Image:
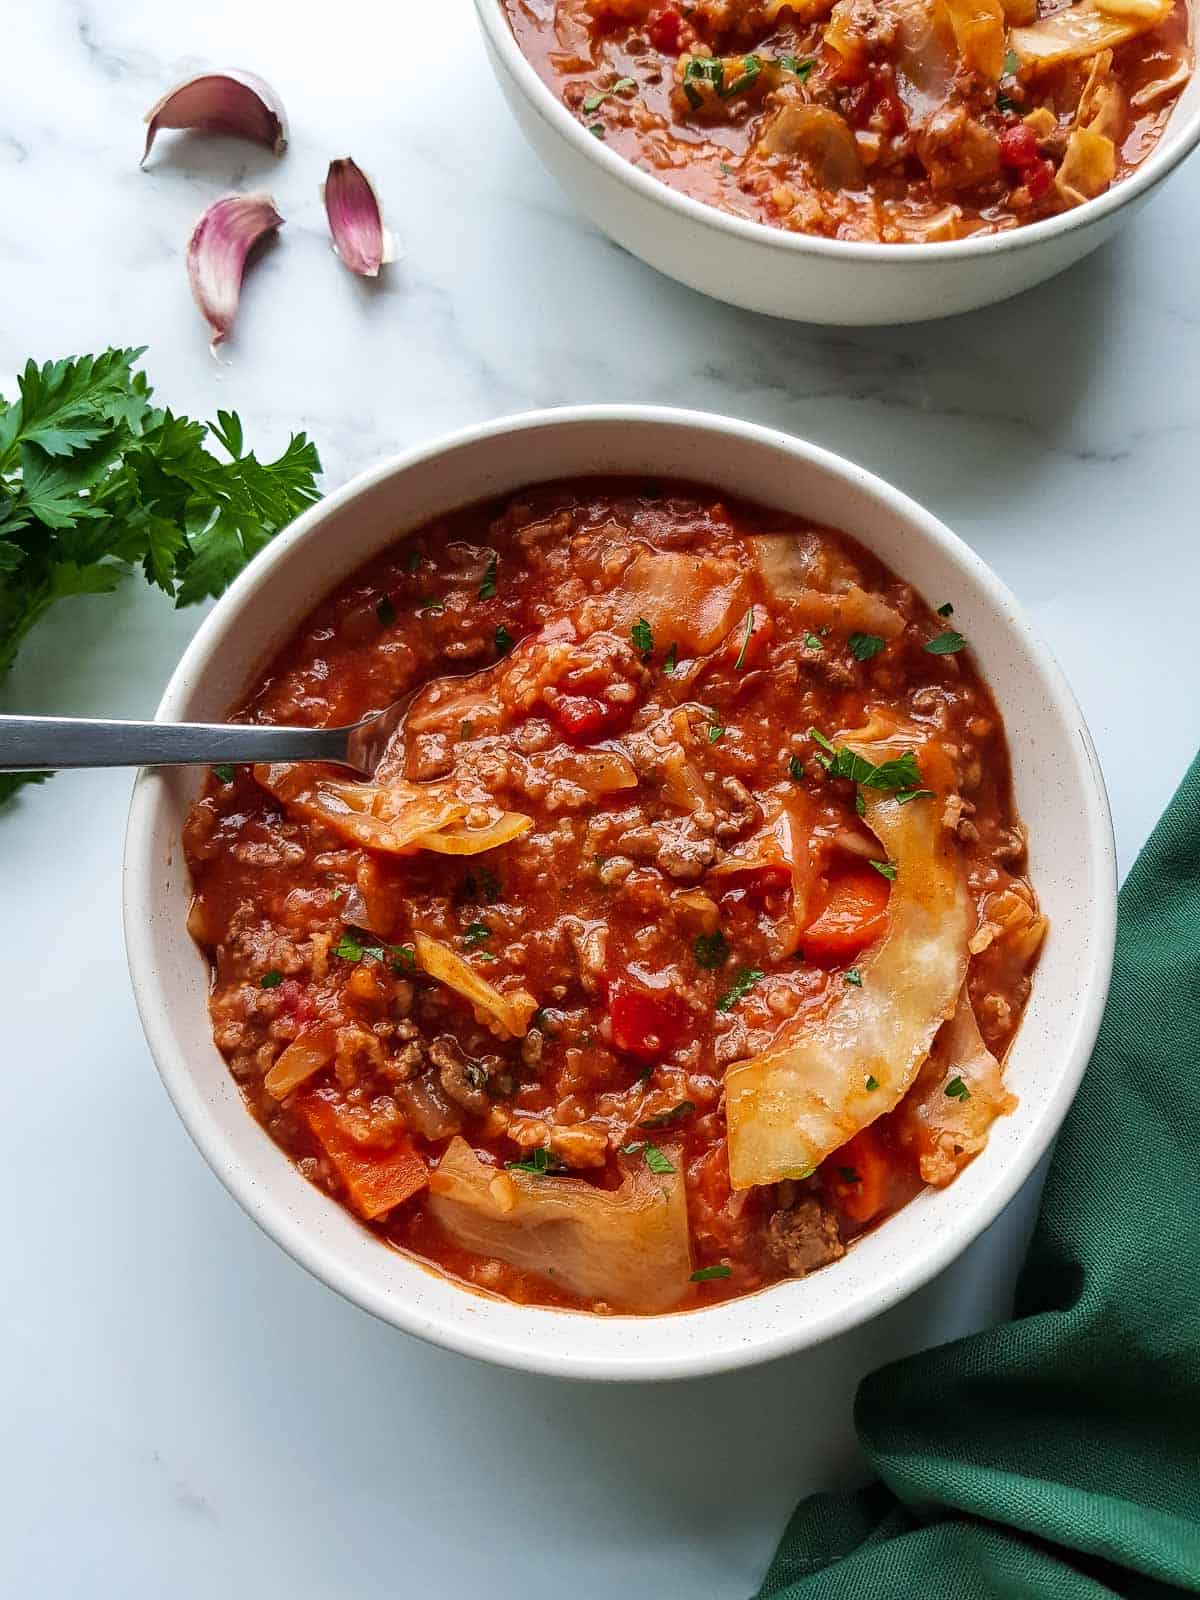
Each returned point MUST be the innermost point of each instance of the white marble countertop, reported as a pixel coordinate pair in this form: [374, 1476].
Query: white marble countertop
[183, 1408]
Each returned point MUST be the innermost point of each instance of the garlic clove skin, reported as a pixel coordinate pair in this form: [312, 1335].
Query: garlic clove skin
[235, 102]
[359, 237]
[216, 259]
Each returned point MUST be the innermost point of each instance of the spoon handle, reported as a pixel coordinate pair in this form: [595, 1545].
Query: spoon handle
[27, 743]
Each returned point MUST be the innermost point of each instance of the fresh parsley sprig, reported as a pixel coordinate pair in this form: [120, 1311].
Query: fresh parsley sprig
[95, 480]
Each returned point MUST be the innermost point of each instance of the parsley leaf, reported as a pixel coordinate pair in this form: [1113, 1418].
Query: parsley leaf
[503, 640]
[595, 101]
[885, 870]
[796, 768]
[386, 612]
[946, 610]
[794, 65]
[711, 950]
[956, 1089]
[270, 980]
[744, 980]
[706, 1274]
[715, 726]
[669, 661]
[872, 1084]
[865, 645]
[643, 638]
[664, 1119]
[906, 795]
[538, 1164]
[95, 481]
[901, 772]
[848, 1175]
[487, 588]
[946, 644]
[476, 933]
[811, 642]
[224, 773]
[656, 1161]
[853, 976]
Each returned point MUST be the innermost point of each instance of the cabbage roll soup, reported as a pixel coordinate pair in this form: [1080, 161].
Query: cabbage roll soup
[683, 931]
[901, 121]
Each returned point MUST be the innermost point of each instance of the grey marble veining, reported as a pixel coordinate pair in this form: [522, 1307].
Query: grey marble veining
[183, 1407]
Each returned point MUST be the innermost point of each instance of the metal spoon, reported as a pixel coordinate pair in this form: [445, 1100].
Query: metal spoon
[32, 743]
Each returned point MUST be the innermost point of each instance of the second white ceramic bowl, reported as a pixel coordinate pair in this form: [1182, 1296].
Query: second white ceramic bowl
[790, 274]
[1059, 792]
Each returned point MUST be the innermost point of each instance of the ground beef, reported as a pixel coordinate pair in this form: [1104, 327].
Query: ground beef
[804, 1238]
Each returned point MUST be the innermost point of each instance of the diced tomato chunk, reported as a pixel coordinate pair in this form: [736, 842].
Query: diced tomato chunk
[1038, 179]
[853, 916]
[646, 1023]
[296, 1000]
[747, 643]
[858, 1176]
[1019, 147]
[663, 31]
[580, 718]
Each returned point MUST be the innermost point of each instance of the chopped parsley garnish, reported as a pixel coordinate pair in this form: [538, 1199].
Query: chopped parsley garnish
[352, 946]
[726, 168]
[476, 933]
[741, 655]
[656, 1161]
[796, 768]
[476, 1074]
[901, 772]
[414, 560]
[669, 661]
[596, 129]
[538, 1164]
[595, 101]
[466, 728]
[490, 884]
[643, 638]
[885, 870]
[223, 773]
[715, 726]
[906, 795]
[746, 79]
[430, 608]
[1005, 102]
[386, 612]
[404, 958]
[1012, 63]
[860, 805]
[794, 65]
[633, 1148]
[711, 950]
[664, 1119]
[706, 1274]
[271, 980]
[744, 980]
[865, 645]
[848, 1175]
[854, 976]
[956, 1089]
[503, 640]
[811, 642]
[872, 1084]
[946, 644]
[487, 588]
[702, 69]
[946, 610]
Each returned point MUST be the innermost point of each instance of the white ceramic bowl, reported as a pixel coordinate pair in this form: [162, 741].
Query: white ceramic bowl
[1059, 791]
[792, 275]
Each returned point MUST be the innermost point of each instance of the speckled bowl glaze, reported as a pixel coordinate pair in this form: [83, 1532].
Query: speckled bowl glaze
[838, 281]
[1059, 791]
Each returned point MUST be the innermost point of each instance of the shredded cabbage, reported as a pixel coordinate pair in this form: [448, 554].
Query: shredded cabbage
[506, 1015]
[390, 818]
[1083, 29]
[626, 1246]
[789, 1108]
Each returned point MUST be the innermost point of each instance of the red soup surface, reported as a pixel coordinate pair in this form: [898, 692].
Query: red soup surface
[680, 936]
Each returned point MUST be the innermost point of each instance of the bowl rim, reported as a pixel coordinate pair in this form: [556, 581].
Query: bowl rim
[267, 1206]
[493, 20]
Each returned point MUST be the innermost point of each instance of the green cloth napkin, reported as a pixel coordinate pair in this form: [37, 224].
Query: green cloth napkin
[1059, 1455]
